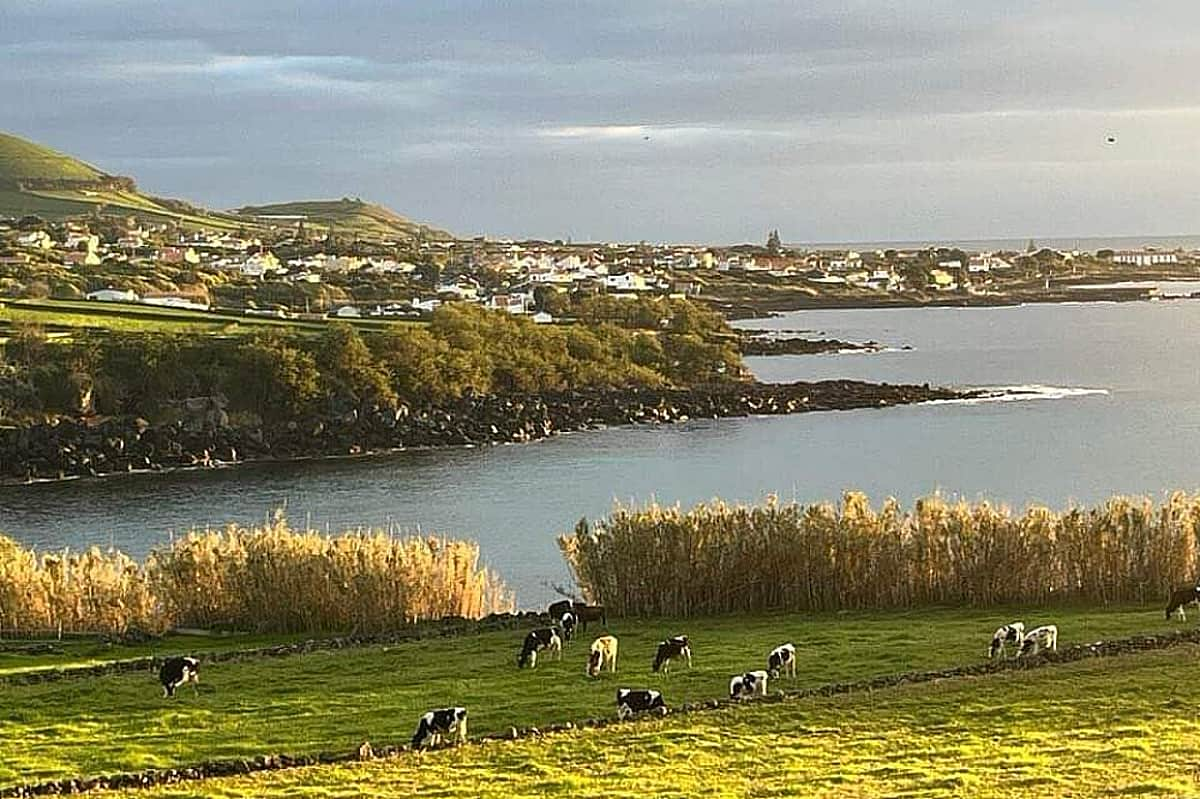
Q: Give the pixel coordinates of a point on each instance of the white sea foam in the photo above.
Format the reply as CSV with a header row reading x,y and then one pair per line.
x,y
1024,393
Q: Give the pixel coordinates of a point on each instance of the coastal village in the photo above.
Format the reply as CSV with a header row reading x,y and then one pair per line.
x,y
282,270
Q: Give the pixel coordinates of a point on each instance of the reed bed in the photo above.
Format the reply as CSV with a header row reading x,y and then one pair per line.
x,y
267,578
721,558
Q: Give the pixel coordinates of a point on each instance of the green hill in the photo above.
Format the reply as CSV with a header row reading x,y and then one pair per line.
x,y
344,215
41,181
23,160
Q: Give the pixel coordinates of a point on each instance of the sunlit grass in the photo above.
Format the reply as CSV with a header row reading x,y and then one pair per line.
x,y
334,700
1112,727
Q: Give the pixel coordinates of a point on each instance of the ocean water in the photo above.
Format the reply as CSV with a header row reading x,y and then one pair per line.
x,y
1081,243
1110,403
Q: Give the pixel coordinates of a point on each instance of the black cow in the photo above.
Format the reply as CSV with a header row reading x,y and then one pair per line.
x,y
1181,597
176,671
557,609
637,700
537,640
676,647
438,724
585,613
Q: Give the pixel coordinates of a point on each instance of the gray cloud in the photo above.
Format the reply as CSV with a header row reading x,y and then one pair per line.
x,y
696,119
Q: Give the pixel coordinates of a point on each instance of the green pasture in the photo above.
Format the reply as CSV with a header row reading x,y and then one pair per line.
x,y
335,700
1124,726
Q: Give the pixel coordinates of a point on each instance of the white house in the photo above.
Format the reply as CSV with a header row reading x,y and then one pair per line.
x,y
627,281
985,263
515,302
850,262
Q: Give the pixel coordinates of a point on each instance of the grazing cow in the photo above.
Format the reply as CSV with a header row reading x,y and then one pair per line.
x,y
748,684
1013,633
679,646
438,724
177,671
585,613
782,659
557,609
604,650
637,700
1045,637
568,622
1181,597
536,641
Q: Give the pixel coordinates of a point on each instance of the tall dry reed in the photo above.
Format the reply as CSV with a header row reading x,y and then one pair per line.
x,y
266,579
719,558
65,591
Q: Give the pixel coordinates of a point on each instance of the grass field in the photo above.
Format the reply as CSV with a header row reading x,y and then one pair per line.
x,y
71,315
1116,727
332,701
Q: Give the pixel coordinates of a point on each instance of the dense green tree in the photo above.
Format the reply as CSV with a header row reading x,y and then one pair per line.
x,y
349,370
273,377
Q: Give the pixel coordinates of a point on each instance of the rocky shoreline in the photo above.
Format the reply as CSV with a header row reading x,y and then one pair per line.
x,y
758,343
71,448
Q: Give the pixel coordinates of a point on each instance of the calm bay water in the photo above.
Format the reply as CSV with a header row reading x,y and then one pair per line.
x,y
1138,431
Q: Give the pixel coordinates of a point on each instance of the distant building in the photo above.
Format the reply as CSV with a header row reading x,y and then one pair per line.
x,y
1144,257
112,295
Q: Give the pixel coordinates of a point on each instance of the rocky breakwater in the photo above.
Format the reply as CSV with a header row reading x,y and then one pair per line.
x,y
94,447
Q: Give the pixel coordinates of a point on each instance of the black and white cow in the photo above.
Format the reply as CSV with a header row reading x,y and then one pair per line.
x,y
1045,637
751,683
1181,597
585,613
568,623
536,641
782,660
677,647
1012,633
437,725
177,671
631,701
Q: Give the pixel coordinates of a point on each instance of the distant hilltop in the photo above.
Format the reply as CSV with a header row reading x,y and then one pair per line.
x,y
25,166
37,180
347,212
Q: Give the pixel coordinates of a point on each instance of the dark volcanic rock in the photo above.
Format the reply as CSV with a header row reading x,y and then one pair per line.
x,y
83,448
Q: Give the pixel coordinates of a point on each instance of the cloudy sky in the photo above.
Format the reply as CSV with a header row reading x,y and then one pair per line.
x,y
693,120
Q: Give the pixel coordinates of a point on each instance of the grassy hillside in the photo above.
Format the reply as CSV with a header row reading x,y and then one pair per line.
x,y
1114,727
334,700
23,159
346,215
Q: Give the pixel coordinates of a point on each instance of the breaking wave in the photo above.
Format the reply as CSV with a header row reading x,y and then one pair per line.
x,y
1024,393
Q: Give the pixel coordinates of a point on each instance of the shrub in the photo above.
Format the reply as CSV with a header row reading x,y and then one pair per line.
x,y
719,558
265,579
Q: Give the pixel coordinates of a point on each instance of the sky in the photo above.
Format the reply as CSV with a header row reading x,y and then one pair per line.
x,y
694,120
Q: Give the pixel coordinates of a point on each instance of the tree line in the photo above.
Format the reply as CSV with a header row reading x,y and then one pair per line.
x,y
279,374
